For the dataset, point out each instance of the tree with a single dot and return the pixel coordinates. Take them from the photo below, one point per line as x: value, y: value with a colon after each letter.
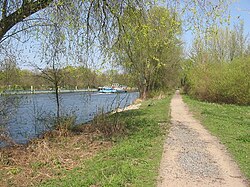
x: 53, y: 51
x: 224, y: 45
x: 25, y: 13
x: 198, y: 14
x: 9, y: 72
x: 27, y: 79
x: 54, y: 76
x: 146, y: 45
x: 16, y: 11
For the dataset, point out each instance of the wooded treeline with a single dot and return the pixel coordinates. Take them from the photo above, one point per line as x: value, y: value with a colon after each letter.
x: 13, y: 78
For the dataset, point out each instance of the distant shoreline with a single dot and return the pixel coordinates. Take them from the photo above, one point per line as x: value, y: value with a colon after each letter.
x: 29, y: 92
x: 24, y: 92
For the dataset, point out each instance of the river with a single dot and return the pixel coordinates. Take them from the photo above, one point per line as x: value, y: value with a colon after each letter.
x: 31, y: 115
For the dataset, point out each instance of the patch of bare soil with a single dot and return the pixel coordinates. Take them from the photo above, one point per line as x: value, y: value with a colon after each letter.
x: 49, y: 157
x: 193, y: 157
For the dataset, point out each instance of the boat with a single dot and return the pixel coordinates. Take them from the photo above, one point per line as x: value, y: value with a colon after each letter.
x: 119, y: 88
x: 106, y: 90
x: 115, y: 88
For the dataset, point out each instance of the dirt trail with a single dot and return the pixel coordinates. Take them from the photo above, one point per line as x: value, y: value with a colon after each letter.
x: 193, y: 157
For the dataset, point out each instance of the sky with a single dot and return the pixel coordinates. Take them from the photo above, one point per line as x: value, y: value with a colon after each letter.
x: 239, y: 10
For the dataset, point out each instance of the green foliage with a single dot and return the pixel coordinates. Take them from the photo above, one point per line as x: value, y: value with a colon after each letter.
x: 231, y: 123
x: 149, y: 47
x: 134, y: 159
x: 71, y: 77
x: 221, y: 45
x: 108, y: 126
x: 9, y: 73
x: 221, y: 82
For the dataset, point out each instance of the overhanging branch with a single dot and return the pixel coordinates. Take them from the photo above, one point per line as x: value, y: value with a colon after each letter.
x: 27, y: 9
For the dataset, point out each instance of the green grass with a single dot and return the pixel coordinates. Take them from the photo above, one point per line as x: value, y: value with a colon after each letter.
x: 231, y: 123
x: 134, y: 159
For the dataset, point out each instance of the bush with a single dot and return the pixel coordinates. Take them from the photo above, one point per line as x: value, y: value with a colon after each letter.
x: 221, y: 82
x: 109, y: 126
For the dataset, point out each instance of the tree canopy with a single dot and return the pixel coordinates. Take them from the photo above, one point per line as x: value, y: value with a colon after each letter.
x: 149, y: 46
x: 22, y: 15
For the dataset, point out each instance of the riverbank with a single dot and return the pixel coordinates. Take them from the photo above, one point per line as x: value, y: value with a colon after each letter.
x: 34, y: 114
x: 128, y: 155
x: 61, y: 91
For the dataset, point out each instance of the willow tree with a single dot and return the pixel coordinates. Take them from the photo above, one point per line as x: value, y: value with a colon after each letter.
x: 21, y: 15
x: 17, y: 11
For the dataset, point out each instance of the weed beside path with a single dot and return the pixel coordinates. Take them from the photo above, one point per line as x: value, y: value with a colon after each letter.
x: 135, y: 158
x: 231, y: 123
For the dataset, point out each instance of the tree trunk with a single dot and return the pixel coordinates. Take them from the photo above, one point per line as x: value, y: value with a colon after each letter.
x: 144, y: 92
x: 57, y: 104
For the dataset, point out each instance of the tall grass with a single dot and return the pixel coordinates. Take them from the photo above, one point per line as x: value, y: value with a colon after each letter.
x: 221, y: 82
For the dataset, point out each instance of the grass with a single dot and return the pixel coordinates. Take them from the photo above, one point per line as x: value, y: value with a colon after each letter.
x: 97, y: 154
x: 135, y: 157
x: 231, y: 123
x: 46, y: 158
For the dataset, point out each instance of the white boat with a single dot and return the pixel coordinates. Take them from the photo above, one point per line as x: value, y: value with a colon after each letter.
x: 115, y: 88
x: 106, y: 90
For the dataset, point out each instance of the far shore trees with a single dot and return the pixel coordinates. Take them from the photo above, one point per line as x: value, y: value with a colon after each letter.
x: 78, y: 77
x: 9, y: 73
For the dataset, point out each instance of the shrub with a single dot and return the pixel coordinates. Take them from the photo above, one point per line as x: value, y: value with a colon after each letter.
x: 221, y: 82
x: 109, y: 126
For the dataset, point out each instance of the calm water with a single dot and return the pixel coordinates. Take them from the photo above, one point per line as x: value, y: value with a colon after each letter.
x: 32, y: 114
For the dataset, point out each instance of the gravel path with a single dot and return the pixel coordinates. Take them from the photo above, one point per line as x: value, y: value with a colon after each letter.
x: 192, y: 157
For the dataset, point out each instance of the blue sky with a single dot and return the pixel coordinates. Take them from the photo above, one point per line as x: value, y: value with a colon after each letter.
x: 239, y: 10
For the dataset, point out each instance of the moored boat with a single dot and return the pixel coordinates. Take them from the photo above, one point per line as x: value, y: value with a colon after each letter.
x: 115, y: 88
x: 107, y: 90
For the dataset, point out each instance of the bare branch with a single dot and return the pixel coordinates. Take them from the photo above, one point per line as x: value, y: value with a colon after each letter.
x: 23, y: 29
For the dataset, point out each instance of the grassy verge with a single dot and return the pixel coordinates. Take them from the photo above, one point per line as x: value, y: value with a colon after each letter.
x: 231, y: 123
x: 135, y: 157
x: 123, y: 149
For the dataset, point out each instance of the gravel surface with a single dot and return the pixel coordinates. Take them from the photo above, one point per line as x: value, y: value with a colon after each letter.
x: 192, y: 157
